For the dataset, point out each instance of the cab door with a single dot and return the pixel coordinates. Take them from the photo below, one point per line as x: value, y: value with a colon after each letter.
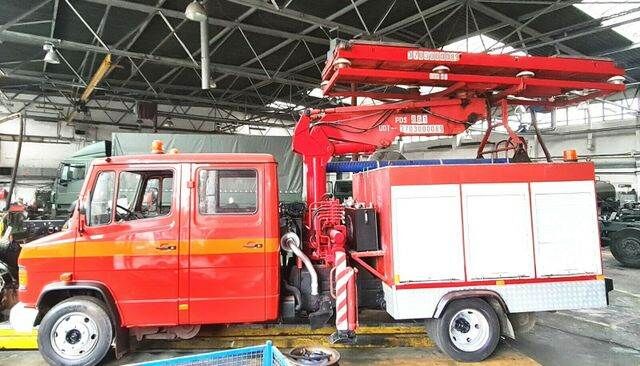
x: 131, y: 240
x: 227, y: 273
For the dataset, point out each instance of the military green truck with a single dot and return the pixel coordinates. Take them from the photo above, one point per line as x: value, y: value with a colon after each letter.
x: 70, y: 177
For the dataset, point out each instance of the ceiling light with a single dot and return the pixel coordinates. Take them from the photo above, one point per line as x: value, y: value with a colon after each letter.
x: 168, y: 123
x: 51, y: 57
x: 196, y: 12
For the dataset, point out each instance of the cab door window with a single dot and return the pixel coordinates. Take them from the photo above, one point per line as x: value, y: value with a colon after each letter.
x: 101, y: 205
x: 144, y: 194
x: 228, y: 191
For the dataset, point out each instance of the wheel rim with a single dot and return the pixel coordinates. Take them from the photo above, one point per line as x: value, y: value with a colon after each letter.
x: 469, y: 330
x: 74, y: 335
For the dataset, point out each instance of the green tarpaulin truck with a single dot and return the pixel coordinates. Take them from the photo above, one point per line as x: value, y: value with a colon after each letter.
x: 71, y: 171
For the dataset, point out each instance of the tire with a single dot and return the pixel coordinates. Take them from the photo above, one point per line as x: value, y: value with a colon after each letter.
x: 77, y: 331
x: 471, y: 317
x: 625, y: 247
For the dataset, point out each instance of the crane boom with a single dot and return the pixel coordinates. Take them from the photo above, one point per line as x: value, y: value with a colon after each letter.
x: 468, y: 86
x: 465, y: 88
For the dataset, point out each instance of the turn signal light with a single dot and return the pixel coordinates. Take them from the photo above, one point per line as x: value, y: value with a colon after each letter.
x: 22, y: 278
x: 570, y: 155
x: 157, y: 147
x: 66, y: 276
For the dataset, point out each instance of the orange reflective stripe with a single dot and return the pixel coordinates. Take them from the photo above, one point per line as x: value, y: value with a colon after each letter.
x: 139, y: 248
x: 228, y: 246
x: 59, y: 250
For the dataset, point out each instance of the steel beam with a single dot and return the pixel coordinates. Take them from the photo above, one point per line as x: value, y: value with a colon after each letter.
x: 300, y: 16
x: 32, y: 39
x: 21, y: 16
x: 426, y: 13
x: 519, y: 25
x: 123, y: 92
x: 173, y: 115
x: 212, y: 21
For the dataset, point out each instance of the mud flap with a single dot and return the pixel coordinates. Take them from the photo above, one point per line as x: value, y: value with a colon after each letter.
x: 122, y: 342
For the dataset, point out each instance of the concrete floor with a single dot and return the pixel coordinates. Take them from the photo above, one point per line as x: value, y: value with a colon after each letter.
x: 581, y: 338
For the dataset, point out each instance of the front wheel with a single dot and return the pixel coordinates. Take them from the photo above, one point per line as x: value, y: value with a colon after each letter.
x: 467, y: 331
x: 77, y: 331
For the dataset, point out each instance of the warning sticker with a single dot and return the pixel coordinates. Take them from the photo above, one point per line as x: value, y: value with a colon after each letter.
x: 421, y: 129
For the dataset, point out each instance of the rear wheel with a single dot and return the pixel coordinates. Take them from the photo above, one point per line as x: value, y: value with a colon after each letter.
x: 468, y: 330
x: 77, y: 331
x: 625, y: 247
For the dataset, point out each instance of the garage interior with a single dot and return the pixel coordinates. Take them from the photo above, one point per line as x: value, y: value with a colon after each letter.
x: 85, y: 79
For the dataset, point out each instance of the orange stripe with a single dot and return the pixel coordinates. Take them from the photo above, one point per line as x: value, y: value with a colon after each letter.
x: 227, y: 246
x: 60, y: 250
x: 140, y: 248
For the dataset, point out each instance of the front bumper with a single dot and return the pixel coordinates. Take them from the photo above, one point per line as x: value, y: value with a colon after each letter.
x: 22, y: 318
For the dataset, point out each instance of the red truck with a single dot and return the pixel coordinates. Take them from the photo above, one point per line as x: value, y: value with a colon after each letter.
x: 163, y: 243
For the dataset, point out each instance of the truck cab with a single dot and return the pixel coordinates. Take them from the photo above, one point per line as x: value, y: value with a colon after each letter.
x: 70, y: 176
x: 162, y: 240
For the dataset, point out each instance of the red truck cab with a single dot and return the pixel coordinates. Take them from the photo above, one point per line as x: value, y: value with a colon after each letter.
x: 162, y: 240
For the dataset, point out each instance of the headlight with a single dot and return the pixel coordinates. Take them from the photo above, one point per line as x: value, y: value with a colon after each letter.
x: 22, y: 278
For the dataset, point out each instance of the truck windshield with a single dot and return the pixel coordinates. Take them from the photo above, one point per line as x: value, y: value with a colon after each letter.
x: 69, y: 172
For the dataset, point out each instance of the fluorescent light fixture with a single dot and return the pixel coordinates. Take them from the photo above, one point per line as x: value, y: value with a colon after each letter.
x: 168, y: 123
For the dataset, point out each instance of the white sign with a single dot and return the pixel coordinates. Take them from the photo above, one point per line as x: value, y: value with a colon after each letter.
x: 421, y: 129
x: 412, y: 118
x: 433, y: 56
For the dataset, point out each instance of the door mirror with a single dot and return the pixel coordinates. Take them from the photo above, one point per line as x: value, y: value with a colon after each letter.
x: 64, y: 174
x: 82, y: 214
x: 82, y: 207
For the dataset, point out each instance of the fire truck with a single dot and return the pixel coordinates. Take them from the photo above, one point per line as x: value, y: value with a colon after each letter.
x: 164, y: 243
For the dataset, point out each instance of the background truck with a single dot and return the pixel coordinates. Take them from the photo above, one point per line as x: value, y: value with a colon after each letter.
x: 466, y: 247
x: 71, y: 172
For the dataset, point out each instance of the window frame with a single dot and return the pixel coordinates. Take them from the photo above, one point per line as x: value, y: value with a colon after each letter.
x: 141, y: 188
x: 257, y: 193
x: 113, y: 197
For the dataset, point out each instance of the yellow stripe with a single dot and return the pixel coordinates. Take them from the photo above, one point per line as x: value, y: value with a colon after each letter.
x: 60, y: 250
x: 10, y: 339
x: 123, y: 248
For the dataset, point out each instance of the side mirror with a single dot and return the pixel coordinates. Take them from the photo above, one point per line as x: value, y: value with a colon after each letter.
x: 82, y: 215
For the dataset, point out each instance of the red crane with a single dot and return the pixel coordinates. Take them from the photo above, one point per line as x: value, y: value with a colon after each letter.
x: 471, y: 85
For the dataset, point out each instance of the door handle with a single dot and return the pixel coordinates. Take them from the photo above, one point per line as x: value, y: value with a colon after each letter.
x: 253, y: 245
x: 166, y: 247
